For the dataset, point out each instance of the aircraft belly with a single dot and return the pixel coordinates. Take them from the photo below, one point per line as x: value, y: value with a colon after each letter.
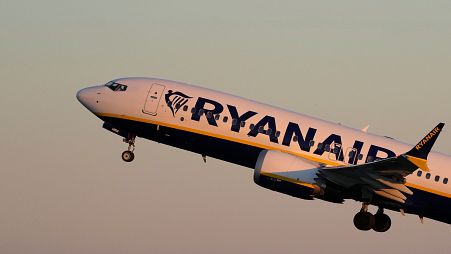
x: 424, y: 203
x: 429, y: 205
x: 237, y: 153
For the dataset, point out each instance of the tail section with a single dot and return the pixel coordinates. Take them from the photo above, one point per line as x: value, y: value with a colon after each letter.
x: 419, y: 154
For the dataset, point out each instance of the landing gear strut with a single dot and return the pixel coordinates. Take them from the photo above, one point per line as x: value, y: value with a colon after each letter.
x: 364, y: 220
x: 128, y: 155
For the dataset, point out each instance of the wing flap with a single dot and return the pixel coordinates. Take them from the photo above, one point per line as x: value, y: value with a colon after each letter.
x: 388, y: 182
x: 389, y: 196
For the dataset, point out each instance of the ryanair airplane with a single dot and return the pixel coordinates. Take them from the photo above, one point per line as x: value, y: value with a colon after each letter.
x: 290, y: 153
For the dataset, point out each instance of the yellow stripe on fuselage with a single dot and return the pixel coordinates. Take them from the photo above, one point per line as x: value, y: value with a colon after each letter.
x: 237, y: 140
x: 436, y: 192
x: 241, y: 141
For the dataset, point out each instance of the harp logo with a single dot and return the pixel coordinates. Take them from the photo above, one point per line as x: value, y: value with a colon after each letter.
x: 176, y: 100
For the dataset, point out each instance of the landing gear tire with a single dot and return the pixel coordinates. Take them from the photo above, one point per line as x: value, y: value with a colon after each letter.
x: 128, y: 156
x: 382, y: 222
x: 364, y: 221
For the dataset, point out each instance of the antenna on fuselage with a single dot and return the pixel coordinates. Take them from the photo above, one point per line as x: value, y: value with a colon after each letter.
x: 365, y: 129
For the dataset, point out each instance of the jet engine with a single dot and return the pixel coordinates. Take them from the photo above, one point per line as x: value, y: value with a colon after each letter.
x: 288, y: 174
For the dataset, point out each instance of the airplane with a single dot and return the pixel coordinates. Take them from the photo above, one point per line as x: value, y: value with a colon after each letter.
x: 290, y: 153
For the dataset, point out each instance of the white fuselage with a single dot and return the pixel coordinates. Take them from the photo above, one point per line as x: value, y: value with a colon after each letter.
x: 170, y: 104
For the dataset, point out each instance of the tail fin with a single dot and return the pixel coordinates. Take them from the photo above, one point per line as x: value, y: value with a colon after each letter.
x: 419, y: 154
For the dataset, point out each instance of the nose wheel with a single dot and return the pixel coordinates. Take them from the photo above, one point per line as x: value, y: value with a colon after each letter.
x: 128, y: 155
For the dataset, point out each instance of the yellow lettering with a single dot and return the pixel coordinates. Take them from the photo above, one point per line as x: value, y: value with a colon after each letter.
x: 427, y: 138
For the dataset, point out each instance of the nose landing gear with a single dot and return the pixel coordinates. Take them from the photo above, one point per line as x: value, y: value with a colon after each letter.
x: 364, y: 220
x: 128, y: 155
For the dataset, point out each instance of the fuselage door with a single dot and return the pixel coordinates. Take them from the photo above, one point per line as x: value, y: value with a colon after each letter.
x: 153, y: 99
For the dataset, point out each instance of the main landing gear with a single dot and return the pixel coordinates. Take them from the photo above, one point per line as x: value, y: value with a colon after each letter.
x: 364, y: 220
x: 128, y: 155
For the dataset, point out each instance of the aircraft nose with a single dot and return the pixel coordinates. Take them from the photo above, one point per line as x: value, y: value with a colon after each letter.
x: 82, y: 96
x: 88, y: 97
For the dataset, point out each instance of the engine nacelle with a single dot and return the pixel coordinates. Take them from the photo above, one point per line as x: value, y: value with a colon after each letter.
x: 287, y: 173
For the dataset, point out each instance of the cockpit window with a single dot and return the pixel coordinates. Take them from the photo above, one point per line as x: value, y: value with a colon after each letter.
x: 116, y: 86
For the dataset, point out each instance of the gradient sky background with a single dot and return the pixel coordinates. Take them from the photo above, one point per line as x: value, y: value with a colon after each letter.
x: 65, y: 189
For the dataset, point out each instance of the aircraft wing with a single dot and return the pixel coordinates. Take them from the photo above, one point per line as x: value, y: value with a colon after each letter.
x: 384, y: 177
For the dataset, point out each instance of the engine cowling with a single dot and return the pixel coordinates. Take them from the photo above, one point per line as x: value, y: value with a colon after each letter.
x: 287, y: 173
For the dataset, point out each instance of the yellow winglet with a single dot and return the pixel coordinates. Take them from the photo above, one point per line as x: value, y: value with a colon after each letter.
x: 420, y: 163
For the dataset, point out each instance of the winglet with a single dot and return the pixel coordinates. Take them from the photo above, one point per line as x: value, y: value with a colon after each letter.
x: 419, y: 154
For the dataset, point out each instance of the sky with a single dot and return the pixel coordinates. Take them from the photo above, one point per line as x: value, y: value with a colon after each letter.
x: 65, y: 189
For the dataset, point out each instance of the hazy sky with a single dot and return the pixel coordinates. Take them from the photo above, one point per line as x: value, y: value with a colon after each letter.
x: 65, y: 189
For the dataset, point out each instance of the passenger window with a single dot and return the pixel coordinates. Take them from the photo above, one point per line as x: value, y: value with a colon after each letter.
x: 234, y: 121
x: 225, y: 119
x: 193, y: 110
x: 251, y: 126
x: 277, y: 133
x: 243, y: 124
x: 428, y: 175
x: 217, y: 116
x: 295, y: 138
x: 185, y: 108
x: 437, y: 178
x: 360, y: 157
x: 327, y: 147
x: 445, y: 180
x: 260, y: 129
x: 209, y: 114
x: 320, y: 146
x: 369, y: 159
x: 269, y: 132
x: 312, y: 143
x: 419, y: 173
x: 201, y: 111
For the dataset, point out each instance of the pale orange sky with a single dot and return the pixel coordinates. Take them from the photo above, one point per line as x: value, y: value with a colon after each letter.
x: 65, y: 189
